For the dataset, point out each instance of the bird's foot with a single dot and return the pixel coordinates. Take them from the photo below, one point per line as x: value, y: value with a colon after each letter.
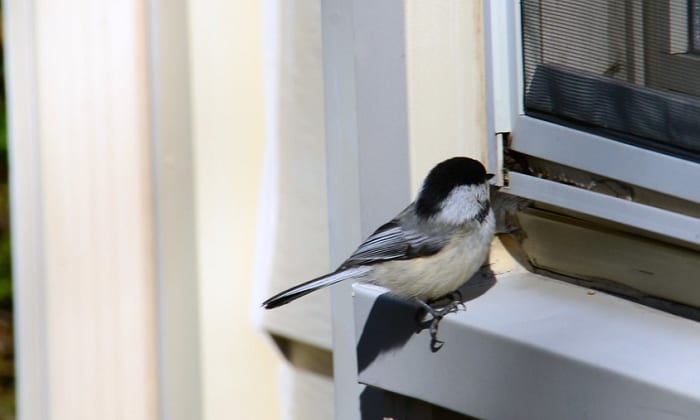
x: 453, y: 303
x: 437, y: 312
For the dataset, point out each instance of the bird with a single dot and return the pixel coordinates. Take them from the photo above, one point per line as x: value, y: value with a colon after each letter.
x: 429, y: 249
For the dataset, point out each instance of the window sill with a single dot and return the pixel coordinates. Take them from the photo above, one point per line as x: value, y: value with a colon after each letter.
x: 533, y: 347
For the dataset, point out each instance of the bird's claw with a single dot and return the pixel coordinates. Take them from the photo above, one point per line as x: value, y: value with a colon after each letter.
x: 437, y: 313
x: 454, y: 301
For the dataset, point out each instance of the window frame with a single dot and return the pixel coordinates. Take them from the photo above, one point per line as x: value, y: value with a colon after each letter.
x: 584, y: 151
x: 549, y: 349
x: 364, y: 149
x: 354, y: 158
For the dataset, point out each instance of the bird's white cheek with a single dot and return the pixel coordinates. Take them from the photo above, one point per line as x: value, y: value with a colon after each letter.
x: 462, y: 204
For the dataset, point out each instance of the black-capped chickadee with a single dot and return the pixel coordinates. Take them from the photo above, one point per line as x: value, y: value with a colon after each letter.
x: 430, y: 249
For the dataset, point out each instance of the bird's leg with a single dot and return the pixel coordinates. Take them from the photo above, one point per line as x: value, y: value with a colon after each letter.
x: 437, y: 312
x: 454, y: 302
x: 433, y: 322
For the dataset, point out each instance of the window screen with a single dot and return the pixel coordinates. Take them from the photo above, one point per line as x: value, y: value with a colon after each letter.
x: 629, y: 70
x: 694, y: 11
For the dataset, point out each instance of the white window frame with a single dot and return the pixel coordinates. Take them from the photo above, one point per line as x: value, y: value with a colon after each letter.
x: 357, y: 157
x: 578, y: 149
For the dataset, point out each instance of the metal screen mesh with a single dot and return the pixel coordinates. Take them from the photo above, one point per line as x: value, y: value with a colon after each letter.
x: 629, y: 70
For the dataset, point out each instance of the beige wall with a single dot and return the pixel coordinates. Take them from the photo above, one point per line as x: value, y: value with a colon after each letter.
x: 446, y: 87
x: 239, y: 368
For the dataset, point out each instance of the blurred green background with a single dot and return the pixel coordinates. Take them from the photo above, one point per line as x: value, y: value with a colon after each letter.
x: 7, y: 370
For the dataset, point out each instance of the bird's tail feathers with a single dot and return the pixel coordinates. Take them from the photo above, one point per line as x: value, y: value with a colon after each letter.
x: 313, y: 285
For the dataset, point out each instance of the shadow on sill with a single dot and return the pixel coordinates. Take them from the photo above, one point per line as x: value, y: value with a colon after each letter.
x: 392, y: 321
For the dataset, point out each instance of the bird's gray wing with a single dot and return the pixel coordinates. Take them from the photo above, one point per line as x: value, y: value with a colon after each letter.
x: 396, y: 240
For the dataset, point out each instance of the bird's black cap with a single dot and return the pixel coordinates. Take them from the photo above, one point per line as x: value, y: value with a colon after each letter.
x: 443, y: 178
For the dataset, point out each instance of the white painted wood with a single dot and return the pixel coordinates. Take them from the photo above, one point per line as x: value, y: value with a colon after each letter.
x: 367, y: 143
x: 537, y: 348
x: 176, y: 249
x: 504, y: 79
x: 305, y: 394
x: 27, y: 201
x: 344, y: 186
x: 293, y: 225
x: 291, y: 240
x: 82, y: 210
x: 238, y: 365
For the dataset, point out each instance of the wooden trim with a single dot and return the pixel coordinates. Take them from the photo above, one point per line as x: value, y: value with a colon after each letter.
x: 26, y: 203
x: 174, y: 213
x: 81, y: 207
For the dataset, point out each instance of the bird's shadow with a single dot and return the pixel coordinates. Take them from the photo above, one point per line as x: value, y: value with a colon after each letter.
x: 392, y: 320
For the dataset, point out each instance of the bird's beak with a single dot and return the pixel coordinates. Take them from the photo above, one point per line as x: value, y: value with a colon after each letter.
x: 489, y: 176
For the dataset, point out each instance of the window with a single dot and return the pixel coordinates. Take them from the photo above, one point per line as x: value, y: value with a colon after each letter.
x: 606, y: 141
x: 672, y: 31
x: 609, y: 68
x: 608, y: 211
